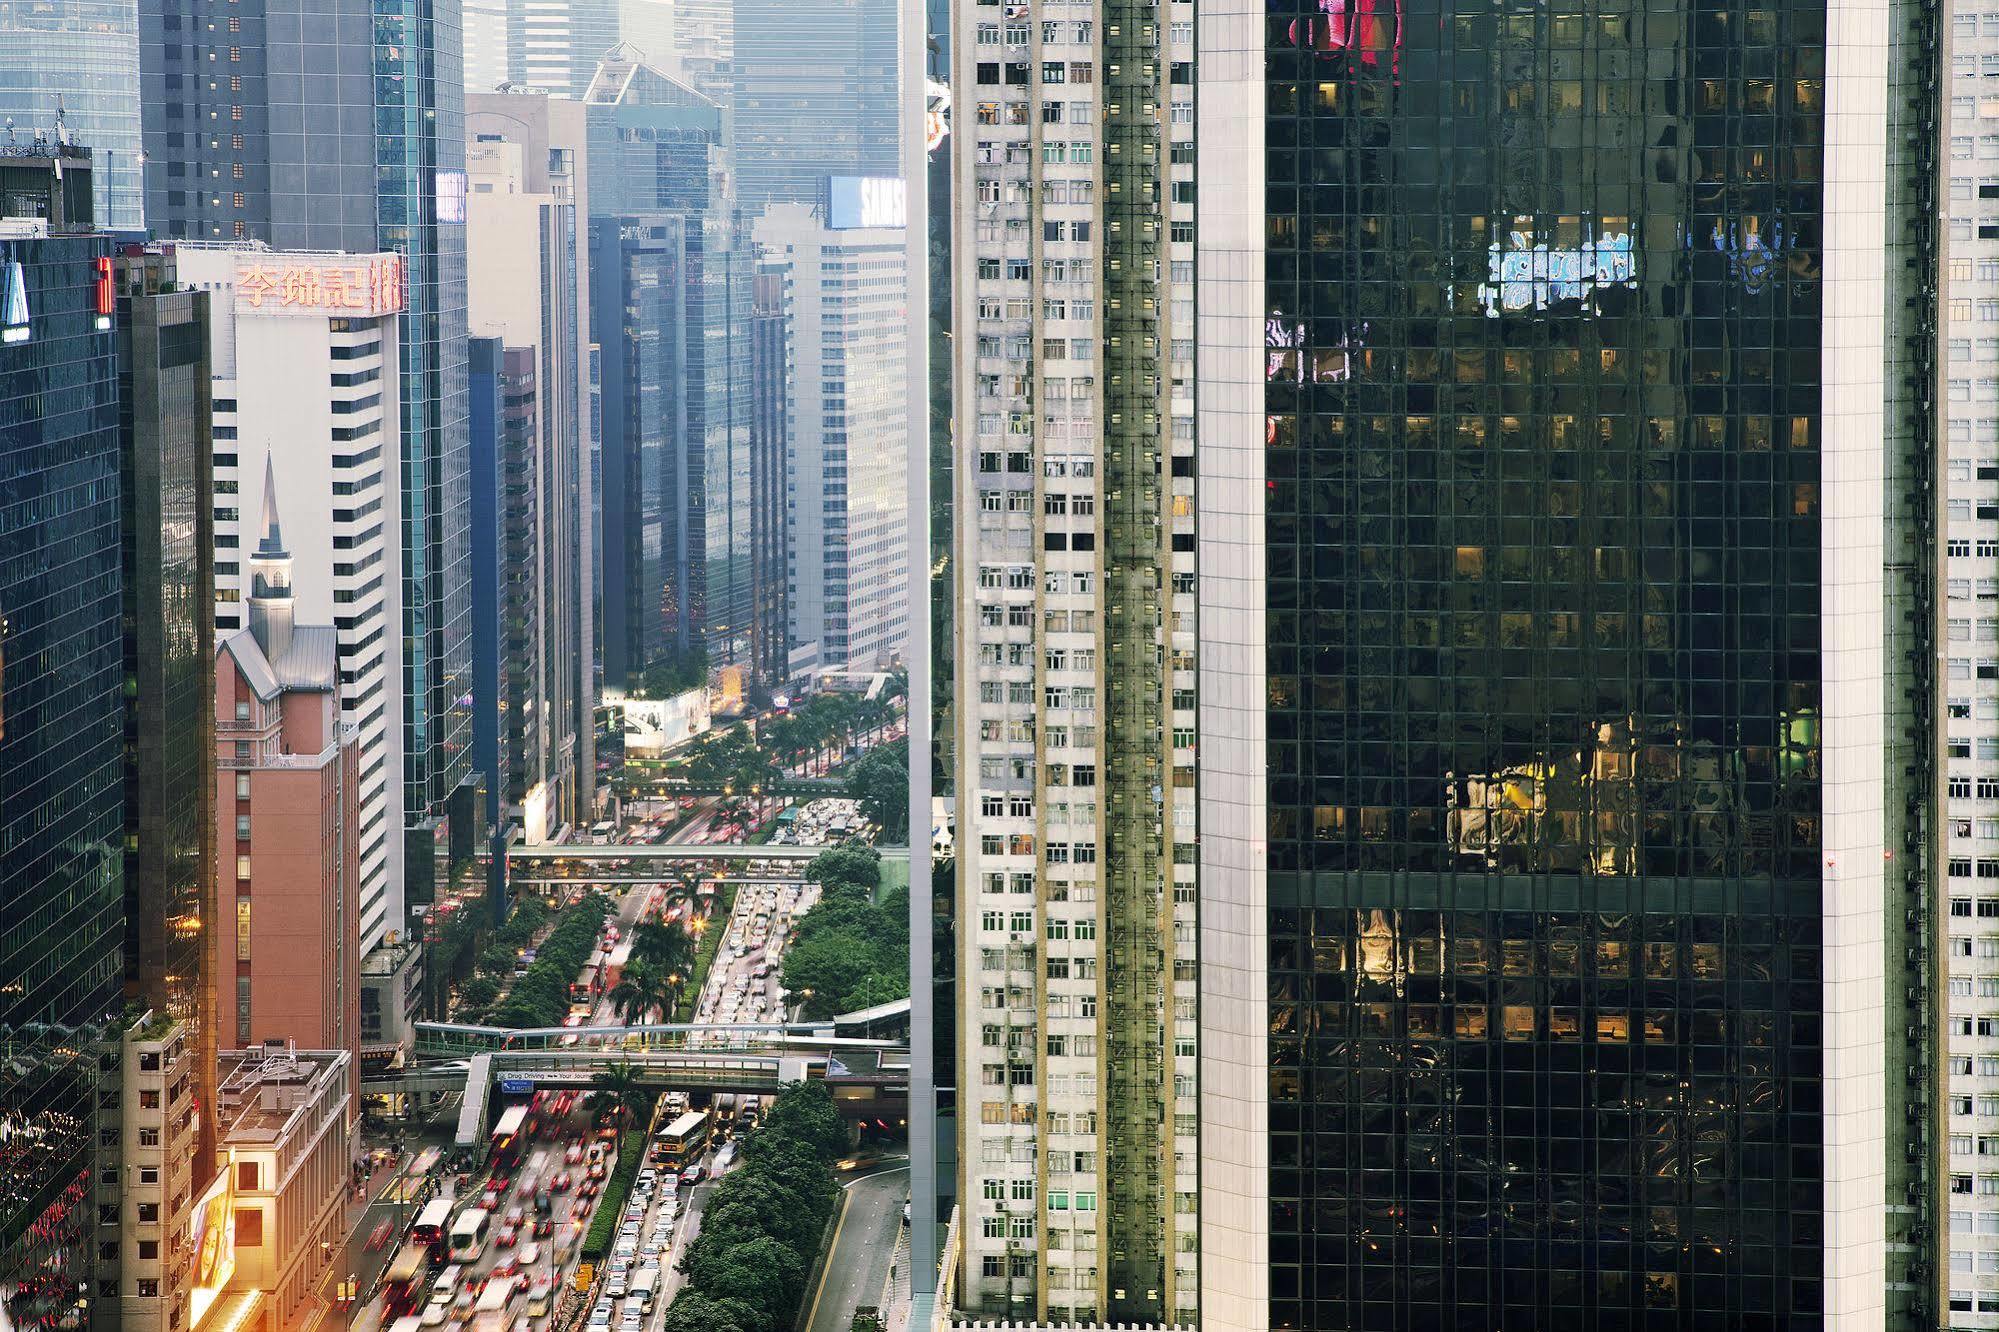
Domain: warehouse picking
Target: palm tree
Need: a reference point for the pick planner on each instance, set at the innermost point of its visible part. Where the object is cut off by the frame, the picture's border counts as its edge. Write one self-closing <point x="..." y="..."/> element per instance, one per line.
<point x="615" y="1091"/>
<point x="642" y="991"/>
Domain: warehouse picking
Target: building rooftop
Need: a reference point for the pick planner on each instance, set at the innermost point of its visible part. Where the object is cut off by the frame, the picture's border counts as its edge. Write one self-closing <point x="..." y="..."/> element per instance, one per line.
<point x="266" y="1090"/>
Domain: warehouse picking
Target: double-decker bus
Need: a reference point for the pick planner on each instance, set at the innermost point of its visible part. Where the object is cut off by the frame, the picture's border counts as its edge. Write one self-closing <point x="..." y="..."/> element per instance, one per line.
<point x="583" y="989"/>
<point x="682" y="1142"/>
<point x="407" y="1285"/>
<point x="433" y="1227"/>
<point x="510" y="1135"/>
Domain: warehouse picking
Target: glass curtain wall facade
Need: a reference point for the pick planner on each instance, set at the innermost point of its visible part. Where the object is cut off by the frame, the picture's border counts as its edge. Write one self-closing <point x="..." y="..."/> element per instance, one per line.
<point x="79" y="59"/>
<point x="814" y="96"/>
<point x="1555" y="878"/>
<point x="166" y="471"/>
<point x="62" y="733"/>
<point x="420" y="212"/>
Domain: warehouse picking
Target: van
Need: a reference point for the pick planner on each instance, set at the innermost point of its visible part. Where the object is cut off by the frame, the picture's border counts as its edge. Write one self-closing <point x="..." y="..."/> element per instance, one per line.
<point x="446" y="1286"/>
<point x="644" y="1287"/>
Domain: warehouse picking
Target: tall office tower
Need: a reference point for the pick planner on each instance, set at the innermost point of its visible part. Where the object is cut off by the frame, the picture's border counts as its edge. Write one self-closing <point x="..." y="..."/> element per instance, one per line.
<point x="772" y="357"/>
<point x="528" y="207"/>
<point x="847" y="510"/>
<point x="420" y="213"/>
<point x="1075" y="671"/>
<point x="1561" y="837"/>
<point x="553" y="46"/>
<point x="500" y="405"/>
<point x="485" y="45"/>
<point x="166" y="486"/>
<point x="62" y="730"/>
<point x="259" y="122"/>
<point x="303" y="354"/>
<point x="672" y="308"/>
<point x="69" y="73"/>
<point x="289" y="805"/>
<point x="814" y="96"/>
<point x="704" y="46"/>
<point x="340" y="127"/>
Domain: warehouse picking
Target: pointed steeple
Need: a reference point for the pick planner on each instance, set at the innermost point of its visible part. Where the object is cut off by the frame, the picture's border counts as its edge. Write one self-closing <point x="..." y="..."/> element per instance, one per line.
<point x="271" y="577"/>
<point x="271" y="545"/>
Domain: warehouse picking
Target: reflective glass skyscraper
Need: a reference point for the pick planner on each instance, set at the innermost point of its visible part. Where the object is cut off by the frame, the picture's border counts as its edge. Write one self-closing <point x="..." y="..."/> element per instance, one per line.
<point x="62" y="731"/>
<point x="1559" y="867"/>
<point x="671" y="305"/>
<point x="814" y="96"/>
<point x="79" y="60"/>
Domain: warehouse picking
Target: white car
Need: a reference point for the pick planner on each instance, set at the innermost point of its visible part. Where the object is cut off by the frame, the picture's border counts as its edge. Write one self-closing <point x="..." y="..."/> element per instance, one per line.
<point x="600" y="1316"/>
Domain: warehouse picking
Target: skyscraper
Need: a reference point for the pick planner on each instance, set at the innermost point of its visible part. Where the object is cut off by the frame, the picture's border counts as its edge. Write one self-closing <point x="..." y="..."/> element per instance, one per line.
<point x="772" y="357"/>
<point x="674" y="276"/>
<point x="553" y="46"/>
<point x="62" y="730"/>
<point x="420" y="213"/>
<point x="302" y="357"/>
<point x="1562" y="885"/>
<point x="529" y="206"/>
<point x="847" y="514"/>
<point x="1071" y="254"/>
<point x="345" y="132"/>
<point x="814" y="95"/>
<point x="69" y="73"/>
<point x="166" y="481"/>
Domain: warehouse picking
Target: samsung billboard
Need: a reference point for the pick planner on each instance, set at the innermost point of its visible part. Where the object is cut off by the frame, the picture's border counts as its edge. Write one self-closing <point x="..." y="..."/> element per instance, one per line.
<point x="865" y="201"/>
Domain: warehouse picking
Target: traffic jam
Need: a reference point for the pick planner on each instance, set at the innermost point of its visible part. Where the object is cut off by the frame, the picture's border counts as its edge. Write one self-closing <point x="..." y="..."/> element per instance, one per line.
<point x="502" y="1244"/>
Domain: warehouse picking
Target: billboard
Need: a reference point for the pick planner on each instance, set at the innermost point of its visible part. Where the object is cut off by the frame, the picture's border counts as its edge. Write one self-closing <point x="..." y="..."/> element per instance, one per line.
<point x="865" y="201"/>
<point x="212" y="1246"/>
<point x="654" y="726"/>
<point x="348" y="284"/>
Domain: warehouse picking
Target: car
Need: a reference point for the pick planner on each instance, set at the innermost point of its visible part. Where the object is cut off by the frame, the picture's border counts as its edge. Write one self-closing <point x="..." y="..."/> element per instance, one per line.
<point x="597" y="1170"/>
<point x="507" y="1237"/>
<point x="614" y="1287"/>
<point x="544" y="1226"/>
<point x="434" y="1314"/>
<point x="573" y="1153"/>
<point x="691" y="1175"/>
<point x="626" y="1247"/>
<point x="528" y="1257"/>
<point x="506" y="1266"/>
<point x="631" y="1227"/>
<point x="461" y="1308"/>
<point x="580" y="1209"/>
<point x="649" y="1252"/>
<point x="539" y="1302"/>
<point x="500" y="1182"/>
<point x="560" y="1182"/>
<point x="600" y="1316"/>
<point x="646" y="1182"/>
<point x="490" y="1200"/>
<point x="513" y="1218"/>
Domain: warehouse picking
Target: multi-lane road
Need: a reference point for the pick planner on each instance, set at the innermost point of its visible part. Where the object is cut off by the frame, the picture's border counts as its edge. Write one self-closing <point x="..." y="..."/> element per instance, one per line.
<point x="743" y="985"/>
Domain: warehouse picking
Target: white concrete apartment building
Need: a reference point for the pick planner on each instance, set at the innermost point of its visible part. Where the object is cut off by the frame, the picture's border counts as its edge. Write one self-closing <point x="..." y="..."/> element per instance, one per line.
<point x="846" y="511"/>
<point x="1074" y="715"/>
<point x="1970" y="675"/>
<point x="304" y="353"/>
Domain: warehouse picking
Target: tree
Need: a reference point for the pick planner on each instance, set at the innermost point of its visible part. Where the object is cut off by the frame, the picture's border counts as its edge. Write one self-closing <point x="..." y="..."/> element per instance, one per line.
<point x="615" y="1091"/>
<point x="764" y="1273"/>
<point x="641" y="992"/>
<point x="859" y="865"/>
<point x="692" y="1311"/>
<point x="665" y="948"/>
<point x="880" y="781"/>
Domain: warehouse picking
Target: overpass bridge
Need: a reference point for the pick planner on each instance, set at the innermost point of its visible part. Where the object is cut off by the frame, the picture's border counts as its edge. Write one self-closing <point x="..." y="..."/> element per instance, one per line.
<point x="869" y="1078"/>
<point x="649" y="863"/>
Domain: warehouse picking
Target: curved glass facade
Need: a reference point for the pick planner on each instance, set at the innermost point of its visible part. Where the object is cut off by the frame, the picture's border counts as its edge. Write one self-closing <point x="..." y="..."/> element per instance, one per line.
<point x="1544" y="397"/>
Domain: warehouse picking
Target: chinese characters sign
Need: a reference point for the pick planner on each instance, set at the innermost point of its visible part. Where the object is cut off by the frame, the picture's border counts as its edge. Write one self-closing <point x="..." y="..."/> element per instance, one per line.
<point x="364" y="285"/>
